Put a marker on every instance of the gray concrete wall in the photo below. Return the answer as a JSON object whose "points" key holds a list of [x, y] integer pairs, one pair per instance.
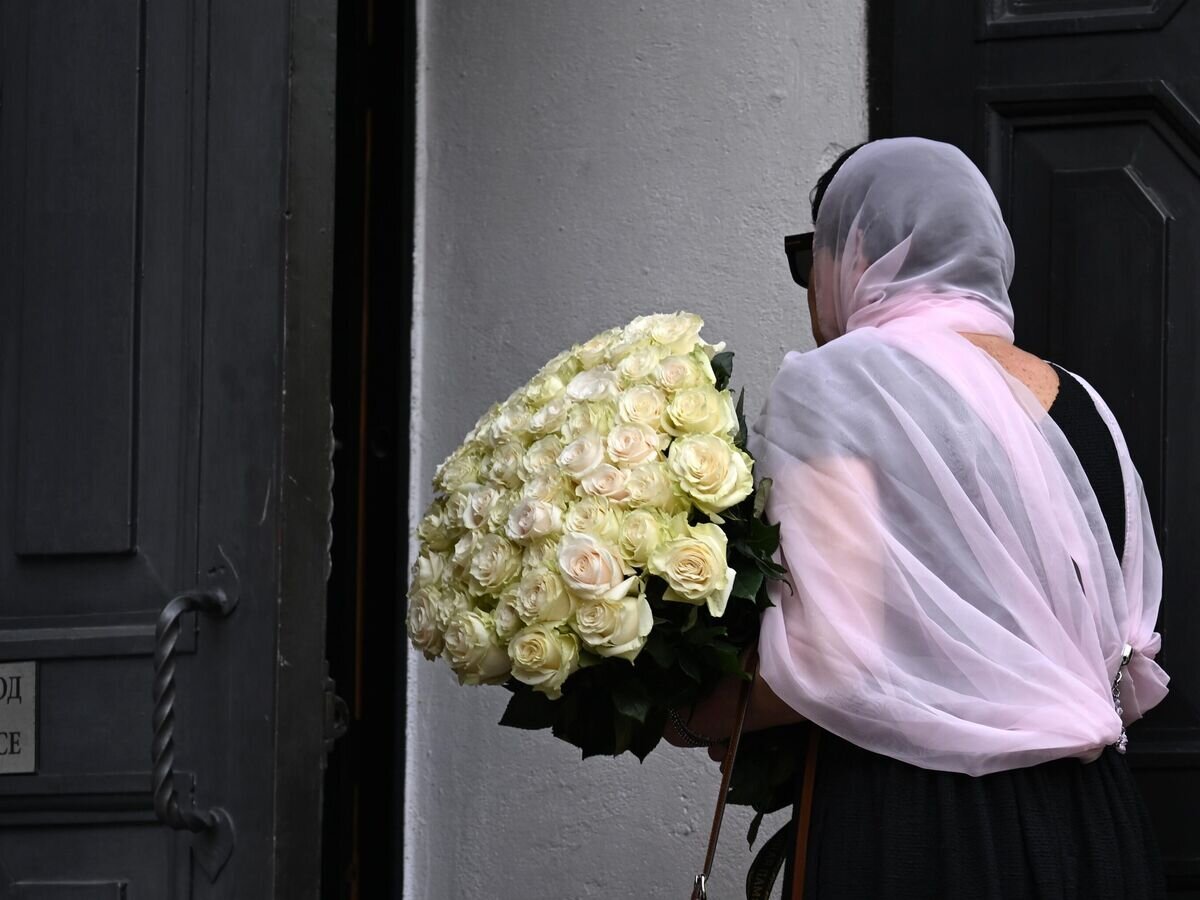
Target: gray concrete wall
{"points": [[581, 162]]}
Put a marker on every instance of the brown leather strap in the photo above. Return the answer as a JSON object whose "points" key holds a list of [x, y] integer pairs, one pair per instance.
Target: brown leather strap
{"points": [[804, 818], [699, 886]]}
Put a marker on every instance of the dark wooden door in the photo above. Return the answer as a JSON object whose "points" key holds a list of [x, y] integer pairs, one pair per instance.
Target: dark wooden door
{"points": [[1085, 117], [165, 252]]}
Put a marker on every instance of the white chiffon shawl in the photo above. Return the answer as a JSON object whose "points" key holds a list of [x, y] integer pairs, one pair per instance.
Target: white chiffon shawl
{"points": [[955, 600]]}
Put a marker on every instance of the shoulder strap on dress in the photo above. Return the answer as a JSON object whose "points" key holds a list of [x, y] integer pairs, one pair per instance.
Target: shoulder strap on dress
{"points": [[1128, 481]]}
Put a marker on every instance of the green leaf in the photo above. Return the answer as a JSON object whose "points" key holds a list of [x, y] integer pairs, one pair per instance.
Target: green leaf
{"points": [[647, 737], [761, 496], [752, 834], [747, 583], [722, 366], [764, 536], [690, 668], [706, 634], [630, 699], [730, 662], [733, 517], [530, 710], [739, 439], [771, 569], [660, 650], [623, 729], [588, 659], [693, 615]]}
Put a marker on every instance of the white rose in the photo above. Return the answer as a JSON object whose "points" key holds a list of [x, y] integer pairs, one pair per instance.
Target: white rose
{"points": [[565, 365], [505, 617], [639, 328], [505, 464], [478, 505], [460, 468], [449, 599], [464, 549], [595, 516], [641, 533], [642, 404], [550, 417], [701, 410], [511, 422], [424, 631], [715, 474], [540, 554], [544, 388], [606, 481], [474, 648], [437, 530], [541, 455], [695, 569], [591, 568], [587, 417], [675, 373], [678, 332], [541, 596], [595, 351], [429, 567], [617, 626], [638, 366], [550, 486], [480, 431], [501, 510], [628, 343], [582, 455], [544, 657], [630, 445], [532, 520], [650, 485], [645, 326], [495, 562], [599, 383]]}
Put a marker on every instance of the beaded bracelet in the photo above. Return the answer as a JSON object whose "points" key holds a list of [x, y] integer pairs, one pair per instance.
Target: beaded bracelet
{"points": [[694, 739]]}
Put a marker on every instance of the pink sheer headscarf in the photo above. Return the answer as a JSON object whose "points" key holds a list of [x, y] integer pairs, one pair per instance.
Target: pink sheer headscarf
{"points": [[955, 598]]}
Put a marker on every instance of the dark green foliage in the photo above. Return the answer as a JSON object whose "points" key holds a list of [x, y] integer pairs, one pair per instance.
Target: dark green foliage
{"points": [[739, 439], [764, 777], [722, 366]]}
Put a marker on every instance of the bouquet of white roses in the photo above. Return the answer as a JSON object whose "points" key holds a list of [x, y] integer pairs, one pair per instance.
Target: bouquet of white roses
{"points": [[594, 544]]}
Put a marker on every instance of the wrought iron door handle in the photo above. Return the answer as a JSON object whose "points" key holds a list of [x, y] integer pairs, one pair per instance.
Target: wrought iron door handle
{"points": [[213, 827]]}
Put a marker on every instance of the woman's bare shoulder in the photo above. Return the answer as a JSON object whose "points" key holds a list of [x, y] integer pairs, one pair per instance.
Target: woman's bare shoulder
{"points": [[1038, 375]]}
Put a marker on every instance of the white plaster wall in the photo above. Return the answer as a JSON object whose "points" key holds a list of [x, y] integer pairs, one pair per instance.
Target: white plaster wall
{"points": [[581, 162]]}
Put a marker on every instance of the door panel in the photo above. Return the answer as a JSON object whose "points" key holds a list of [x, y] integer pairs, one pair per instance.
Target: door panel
{"points": [[93, 448], [1082, 114], [161, 168], [79, 163], [1029, 18]]}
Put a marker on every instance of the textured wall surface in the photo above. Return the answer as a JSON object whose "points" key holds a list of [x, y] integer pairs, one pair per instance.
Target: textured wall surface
{"points": [[580, 163]]}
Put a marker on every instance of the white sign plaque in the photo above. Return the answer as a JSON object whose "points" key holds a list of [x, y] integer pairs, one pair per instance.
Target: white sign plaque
{"points": [[18, 718]]}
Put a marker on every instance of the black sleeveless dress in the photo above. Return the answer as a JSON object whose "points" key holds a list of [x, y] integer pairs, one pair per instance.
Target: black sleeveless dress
{"points": [[882, 828]]}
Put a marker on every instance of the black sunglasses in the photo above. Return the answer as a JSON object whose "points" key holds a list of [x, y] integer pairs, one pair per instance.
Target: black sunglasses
{"points": [[799, 250]]}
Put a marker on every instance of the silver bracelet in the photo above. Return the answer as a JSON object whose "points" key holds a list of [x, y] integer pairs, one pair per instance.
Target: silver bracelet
{"points": [[696, 740]]}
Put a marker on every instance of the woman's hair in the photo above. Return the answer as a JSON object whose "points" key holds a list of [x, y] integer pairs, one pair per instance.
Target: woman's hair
{"points": [[818, 192]]}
